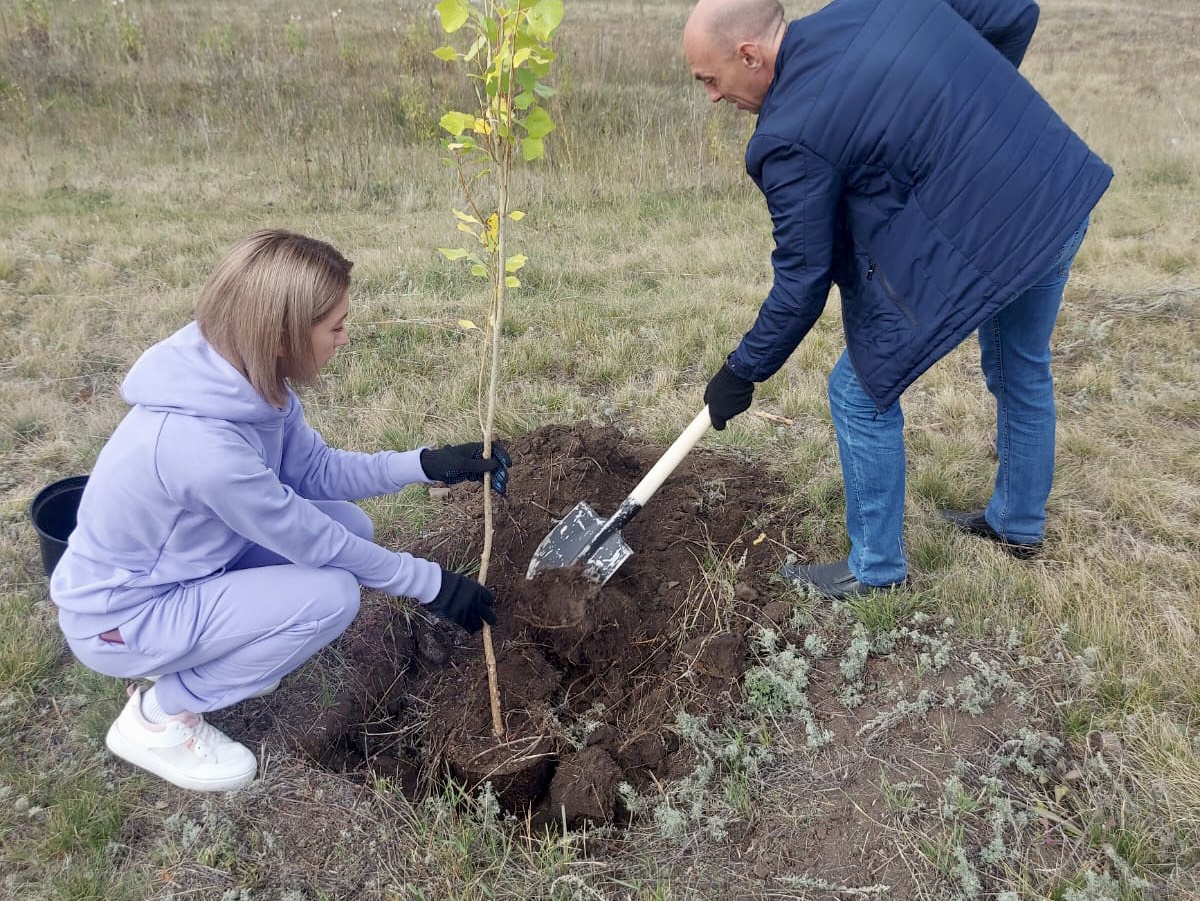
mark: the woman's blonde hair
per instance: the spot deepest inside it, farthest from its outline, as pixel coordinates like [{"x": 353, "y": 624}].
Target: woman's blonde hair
[{"x": 259, "y": 305}]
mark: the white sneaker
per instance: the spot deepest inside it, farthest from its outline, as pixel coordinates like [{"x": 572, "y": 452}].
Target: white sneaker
[{"x": 185, "y": 750}]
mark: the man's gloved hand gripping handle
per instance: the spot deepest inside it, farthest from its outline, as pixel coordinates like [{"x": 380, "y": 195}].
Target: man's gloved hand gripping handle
[{"x": 727, "y": 395}]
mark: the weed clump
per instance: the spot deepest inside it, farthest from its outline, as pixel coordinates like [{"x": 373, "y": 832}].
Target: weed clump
[
  {"x": 719, "y": 788},
  {"x": 778, "y": 685}
]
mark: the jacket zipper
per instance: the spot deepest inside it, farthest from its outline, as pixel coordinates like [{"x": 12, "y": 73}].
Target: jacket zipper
[{"x": 887, "y": 289}]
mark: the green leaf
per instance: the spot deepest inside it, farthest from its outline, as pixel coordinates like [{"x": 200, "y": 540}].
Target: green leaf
[
  {"x": 449, "y": 54},
  {"x": 515, "y": 262},
  {"x": 524, "y": 100},
  {"x": 544, "y": 18},
  {"x": 453, "y": 13},
  {"x": 452, "y": 253},
  {"x": 479, "y": 44},
  {"x": 479, "y": 270},
  {"x": 544, "y": 90},
  {"x": 538, "y": 60},
  {"x": 532, "y": 149},
  {"x": 516, "y": 215},
  {"x": 456, "y": 123},
  {"x": 539, "y": 124},
  {"x": 511, "y": 281}
]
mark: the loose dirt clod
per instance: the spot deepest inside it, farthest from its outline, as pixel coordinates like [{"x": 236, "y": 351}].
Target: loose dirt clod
[{"x": 584, "y": 788}]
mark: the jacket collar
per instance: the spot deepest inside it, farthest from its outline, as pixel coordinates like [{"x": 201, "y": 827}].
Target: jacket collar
[{"x": 791, "y": 44}]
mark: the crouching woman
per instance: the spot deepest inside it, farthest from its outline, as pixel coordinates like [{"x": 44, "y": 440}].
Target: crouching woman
[{"x": 217, "y": 545}]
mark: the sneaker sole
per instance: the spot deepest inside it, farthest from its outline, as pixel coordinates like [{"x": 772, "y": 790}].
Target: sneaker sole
[{"x": 122, "y": 747}]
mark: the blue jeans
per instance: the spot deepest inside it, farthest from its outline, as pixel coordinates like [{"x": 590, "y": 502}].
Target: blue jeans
[{"x": 1015, "y": 357}]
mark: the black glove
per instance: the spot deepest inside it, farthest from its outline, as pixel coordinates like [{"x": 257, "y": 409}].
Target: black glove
[
  {"x": 727, "y": 395},
  {"x": 459, "y": 462},
  {"x": 463, "y": 602}
]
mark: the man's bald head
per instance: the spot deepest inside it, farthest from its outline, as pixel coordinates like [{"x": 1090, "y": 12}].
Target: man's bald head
[
  {"x": 728, "y": 23},
  {"x": 731, "y": 47}
]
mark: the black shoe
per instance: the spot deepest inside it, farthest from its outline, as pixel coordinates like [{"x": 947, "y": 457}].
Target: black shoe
[
  {"x": 830, "y": 580},
  {"x": 974, "y": 524}
]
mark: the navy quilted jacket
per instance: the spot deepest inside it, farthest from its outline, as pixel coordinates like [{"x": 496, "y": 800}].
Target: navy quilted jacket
[{"x": 903, "y": 157}]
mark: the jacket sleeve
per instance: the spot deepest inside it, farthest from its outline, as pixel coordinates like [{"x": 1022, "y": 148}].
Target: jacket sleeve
[
  {"x": 233, "y": 484},
  {"x": 802, "y": 193},
  {"x": 1007, "y": 25},
  {"x": 320, "y": 472}
]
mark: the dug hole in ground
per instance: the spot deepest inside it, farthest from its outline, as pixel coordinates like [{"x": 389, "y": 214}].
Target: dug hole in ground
[{"x": 617, "y": 699}]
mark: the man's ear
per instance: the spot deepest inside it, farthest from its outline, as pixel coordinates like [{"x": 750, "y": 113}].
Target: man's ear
[{"x": 750, "y": 55}]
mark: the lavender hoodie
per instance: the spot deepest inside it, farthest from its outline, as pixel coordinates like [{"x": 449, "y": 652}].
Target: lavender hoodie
[{"x": 201, "y": 468}]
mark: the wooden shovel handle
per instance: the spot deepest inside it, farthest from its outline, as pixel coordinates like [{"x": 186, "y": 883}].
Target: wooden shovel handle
[{"x": 668, "y": 461}]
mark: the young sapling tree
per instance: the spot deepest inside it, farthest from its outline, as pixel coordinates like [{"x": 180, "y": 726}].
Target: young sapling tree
[{"x": 508, "y": 56}]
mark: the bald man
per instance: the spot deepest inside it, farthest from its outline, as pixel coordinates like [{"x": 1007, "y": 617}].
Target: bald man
[{"x": 904, "y": 158}]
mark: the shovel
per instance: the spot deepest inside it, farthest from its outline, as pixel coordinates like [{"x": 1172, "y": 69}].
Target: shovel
[{"x": 583, "y": 537}]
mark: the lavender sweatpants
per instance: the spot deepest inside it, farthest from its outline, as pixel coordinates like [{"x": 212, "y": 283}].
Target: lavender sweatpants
[{"x": 223, "y": 639}]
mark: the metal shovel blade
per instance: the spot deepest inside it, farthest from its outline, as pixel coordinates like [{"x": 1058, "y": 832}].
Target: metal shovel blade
[
  {"x": 583, "y": 537},
  {"x": 570, "y": 539}
]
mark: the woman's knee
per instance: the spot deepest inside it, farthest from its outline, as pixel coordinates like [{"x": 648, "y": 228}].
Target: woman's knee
[
  {"x": 350, "y": 515},
  {"x": 336, "y": 598},
  {"x": 358, "y": 522}
]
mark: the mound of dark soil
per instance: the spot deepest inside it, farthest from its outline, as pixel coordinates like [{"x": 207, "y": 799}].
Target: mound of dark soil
[{"x": 591, "y": 677}]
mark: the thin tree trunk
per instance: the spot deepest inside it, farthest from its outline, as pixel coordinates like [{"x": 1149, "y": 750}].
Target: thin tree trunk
[{"x": 488, "y": 428}]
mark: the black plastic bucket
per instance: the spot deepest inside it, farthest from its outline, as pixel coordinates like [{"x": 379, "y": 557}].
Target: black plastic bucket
[{"x": 53, "y": 515}]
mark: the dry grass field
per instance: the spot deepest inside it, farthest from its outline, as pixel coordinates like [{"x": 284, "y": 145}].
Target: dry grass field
[{"x": 140, "y": 138}]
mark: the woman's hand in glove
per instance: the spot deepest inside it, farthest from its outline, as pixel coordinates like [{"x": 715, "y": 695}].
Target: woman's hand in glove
[
  {"x": 462, "y": 462},
  {"x": 463, "y": 601}
]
